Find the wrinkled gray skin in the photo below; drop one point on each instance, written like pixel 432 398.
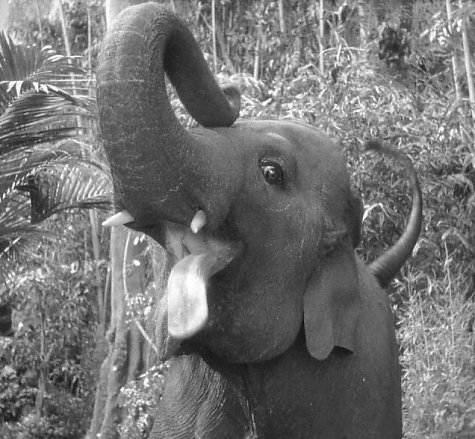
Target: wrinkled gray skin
pixel 299 339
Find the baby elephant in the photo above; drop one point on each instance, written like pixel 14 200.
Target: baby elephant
pixel 274 327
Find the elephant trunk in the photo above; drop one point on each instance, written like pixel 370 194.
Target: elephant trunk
pixel 389 263
pixel 156 164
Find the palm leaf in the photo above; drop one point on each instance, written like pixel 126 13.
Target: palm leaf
pixel 17 61
pixel 37 128
pixel 16 232
pixel 65 182
pixel 44 105
pixel 23 67
pixel 39 117
pixel 54 189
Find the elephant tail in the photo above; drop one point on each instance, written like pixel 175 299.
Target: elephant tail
pixel 389 263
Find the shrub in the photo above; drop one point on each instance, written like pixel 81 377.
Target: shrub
pixel 139 399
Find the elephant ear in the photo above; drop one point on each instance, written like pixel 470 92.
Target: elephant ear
pixel 332 303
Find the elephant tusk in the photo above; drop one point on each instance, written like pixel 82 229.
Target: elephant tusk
pixel 119 219
pixel 198 221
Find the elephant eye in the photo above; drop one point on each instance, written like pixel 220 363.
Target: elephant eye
pixel 272 172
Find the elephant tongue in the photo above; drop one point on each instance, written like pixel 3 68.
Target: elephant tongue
pixel 187 298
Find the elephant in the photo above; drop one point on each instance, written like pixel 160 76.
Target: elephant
pixel 273 326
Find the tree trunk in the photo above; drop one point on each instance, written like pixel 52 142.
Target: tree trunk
pixel 43 371
pixel 282 17
pixel 124 360
pixel 468 64
pixel 67 44
pixel 224 48
pixel 4 15
pixel 455 60
pixel 456 71
pixel 106 411
pixel 321 28
pixel 38 18
pixel 124 344
pixel 96 249
pixel 257 56
pixel 213 31
pixel 363 31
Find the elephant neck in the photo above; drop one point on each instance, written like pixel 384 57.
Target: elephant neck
pixel 255 385
pixel 259 391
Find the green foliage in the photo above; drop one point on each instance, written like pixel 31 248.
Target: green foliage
pixel 353 100
pixel 250 38
pixel 76 15
pixel 65 418
pixel 14 395
pixel 140 399
pixel 26 20
pixel 46 145
pixel 47 153
pixel 437 357
pixel 55 326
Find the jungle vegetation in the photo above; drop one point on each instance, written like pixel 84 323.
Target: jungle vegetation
pixel 75 303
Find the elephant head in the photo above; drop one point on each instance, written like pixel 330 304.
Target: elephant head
pixel 259 214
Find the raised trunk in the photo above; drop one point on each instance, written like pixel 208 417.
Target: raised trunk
pixel 145 143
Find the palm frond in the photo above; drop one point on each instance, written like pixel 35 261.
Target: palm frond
pixel 57 185
pixel 28 66
pixel 38 117
pixel 68 186
pixel 23 161
pixel 14 213
pixel 16 232
pixel 48 162
pixel 17 61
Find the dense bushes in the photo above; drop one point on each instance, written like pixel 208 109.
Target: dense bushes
pixel 48 366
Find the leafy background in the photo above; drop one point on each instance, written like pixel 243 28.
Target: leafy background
pixel 55 261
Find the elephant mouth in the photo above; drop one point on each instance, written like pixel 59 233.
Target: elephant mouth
pixel 198 255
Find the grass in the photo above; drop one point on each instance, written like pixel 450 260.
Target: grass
pixel 438 363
